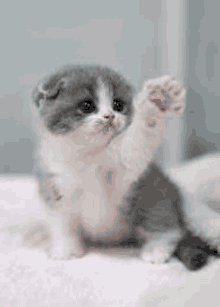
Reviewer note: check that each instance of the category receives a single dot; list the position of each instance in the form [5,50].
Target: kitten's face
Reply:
[88,102]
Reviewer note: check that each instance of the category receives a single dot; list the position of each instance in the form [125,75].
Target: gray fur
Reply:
[155,202]
[63,91]
[48,190]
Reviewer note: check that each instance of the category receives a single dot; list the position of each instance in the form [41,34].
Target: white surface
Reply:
[29,278]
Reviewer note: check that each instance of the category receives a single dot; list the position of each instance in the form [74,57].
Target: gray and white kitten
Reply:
[95,138]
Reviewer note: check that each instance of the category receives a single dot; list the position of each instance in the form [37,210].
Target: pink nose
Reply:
[110,116]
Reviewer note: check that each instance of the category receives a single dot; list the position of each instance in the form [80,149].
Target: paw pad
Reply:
[167,94]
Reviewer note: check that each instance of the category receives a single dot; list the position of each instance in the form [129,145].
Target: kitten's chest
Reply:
[102,200]
[112,184]
[105,182]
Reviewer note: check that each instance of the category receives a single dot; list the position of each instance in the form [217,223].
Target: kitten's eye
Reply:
[87,106]
[119,105]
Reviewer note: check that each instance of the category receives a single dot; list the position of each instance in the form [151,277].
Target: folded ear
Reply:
[42,93]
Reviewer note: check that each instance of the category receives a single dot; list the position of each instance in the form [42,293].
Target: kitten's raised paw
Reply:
[167,94]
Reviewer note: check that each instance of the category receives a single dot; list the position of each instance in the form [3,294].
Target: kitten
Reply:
[199,183]
[95,137]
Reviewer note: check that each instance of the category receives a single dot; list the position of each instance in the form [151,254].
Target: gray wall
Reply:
[203,78]
[38,36]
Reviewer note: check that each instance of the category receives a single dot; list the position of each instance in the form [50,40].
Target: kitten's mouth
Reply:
[109,127]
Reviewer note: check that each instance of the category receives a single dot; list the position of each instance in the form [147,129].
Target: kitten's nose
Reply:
[109,116]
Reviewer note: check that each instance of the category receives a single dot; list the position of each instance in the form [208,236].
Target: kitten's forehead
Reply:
[77,78]
[104,94]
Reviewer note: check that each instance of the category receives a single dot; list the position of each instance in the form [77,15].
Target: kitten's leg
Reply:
[64,242]
[158,98]
[63,221]
[160,245]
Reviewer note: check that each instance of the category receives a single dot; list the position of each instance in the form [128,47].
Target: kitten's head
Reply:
[89,101]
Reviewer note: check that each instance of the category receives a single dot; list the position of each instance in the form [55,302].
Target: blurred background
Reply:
[142,39]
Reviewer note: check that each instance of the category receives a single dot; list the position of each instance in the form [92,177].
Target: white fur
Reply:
[160,245]
[199,181]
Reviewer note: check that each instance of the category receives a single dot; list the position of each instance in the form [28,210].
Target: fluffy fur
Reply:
[199,181]
[95,138]
[154,207]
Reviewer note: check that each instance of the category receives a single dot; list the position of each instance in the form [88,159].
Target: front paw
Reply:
[65,250]
[166,93]
[157,255]
[159,246]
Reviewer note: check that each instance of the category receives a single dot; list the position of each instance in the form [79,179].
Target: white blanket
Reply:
[111,277]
